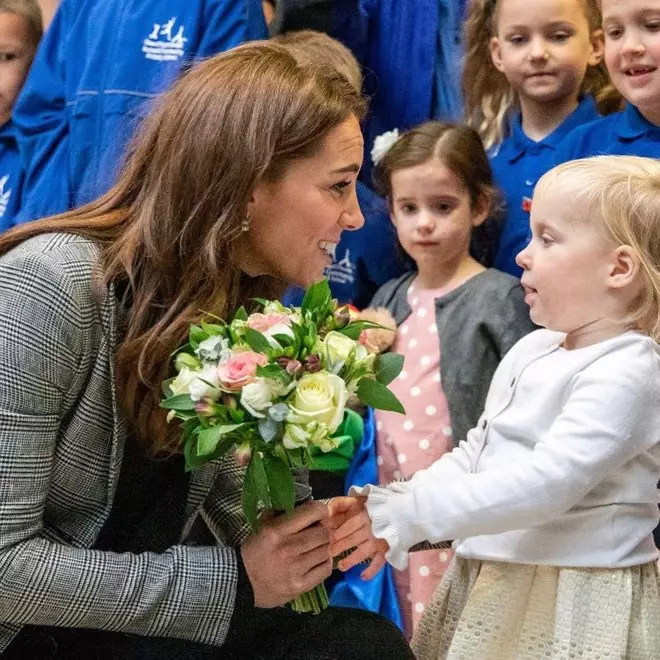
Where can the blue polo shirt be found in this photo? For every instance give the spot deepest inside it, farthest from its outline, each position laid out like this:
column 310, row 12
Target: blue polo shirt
column 518, row 163
column 11, row 177
column 625, row 133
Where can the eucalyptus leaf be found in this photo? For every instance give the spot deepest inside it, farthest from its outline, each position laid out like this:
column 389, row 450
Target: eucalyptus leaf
column 375, row 394
column 269, row 429
column 389, row 367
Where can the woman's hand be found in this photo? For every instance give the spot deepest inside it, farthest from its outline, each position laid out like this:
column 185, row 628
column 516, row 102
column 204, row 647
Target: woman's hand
column 351, row 528
column 289, row 555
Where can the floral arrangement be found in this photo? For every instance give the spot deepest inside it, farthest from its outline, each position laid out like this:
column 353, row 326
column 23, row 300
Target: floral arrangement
column 274, row 386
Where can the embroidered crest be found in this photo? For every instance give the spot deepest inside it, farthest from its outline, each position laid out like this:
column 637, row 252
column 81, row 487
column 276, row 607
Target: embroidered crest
column 163, row 44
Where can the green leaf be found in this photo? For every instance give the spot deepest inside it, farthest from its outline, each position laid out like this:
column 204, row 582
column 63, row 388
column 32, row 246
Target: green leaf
column 259, row 479
column 284, row 340
column 375, row 394
column 256, row 341
column 184, row 359
column 212, row 329
column 317, row 299
column 178, row 402
column 165, row 387
column 196, row 336
column 280, row 483
column 389, row 367
column 274, row 371
column 209, row 439
column 354, row 329
column 249, row 503
column 241, row 314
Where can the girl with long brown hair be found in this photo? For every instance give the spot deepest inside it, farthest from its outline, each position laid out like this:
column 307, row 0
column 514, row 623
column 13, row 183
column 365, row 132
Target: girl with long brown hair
column 533, row 72
column 240, row 181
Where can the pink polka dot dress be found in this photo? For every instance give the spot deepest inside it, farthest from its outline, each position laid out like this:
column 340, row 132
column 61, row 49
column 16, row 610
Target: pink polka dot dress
column 407, row 444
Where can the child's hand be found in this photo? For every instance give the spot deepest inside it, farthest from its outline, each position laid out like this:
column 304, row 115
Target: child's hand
column 350, row 527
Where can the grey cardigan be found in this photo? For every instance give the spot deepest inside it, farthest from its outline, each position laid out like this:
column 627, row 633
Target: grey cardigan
column 61, row 446
column 478, row 322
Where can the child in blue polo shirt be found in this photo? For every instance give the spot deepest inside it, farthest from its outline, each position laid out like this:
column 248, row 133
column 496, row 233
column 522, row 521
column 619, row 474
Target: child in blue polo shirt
column 632, row 56
column 543, row 58
column 20, row 32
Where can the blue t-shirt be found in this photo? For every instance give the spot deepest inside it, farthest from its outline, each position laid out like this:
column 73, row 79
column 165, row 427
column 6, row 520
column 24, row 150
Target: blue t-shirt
column 518, row 163
column 625, row 133
column 364, row 259
column 11, row 177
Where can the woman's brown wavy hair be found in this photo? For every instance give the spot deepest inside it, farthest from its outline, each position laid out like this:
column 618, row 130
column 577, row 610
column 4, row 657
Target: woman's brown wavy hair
column 170, row 227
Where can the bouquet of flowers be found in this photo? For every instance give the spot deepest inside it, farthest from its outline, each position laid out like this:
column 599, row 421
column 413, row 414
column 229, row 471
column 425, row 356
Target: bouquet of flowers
column 273, row 386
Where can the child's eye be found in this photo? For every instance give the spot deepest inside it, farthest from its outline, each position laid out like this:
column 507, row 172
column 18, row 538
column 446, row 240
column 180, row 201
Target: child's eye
column 613, row 33
column 653, row 26
column 444, row 207
column 517, row 39
column 561, row 36
column 546, row 240
column 408, row 208
column 8, row 57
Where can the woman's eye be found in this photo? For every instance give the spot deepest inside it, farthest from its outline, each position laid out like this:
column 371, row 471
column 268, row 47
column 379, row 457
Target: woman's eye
column 7, row 57
column 341, row 186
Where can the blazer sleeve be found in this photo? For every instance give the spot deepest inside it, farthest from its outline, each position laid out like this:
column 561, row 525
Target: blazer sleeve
column 46, row 338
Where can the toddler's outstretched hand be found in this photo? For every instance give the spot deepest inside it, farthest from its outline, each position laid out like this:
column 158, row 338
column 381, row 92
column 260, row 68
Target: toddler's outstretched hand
column 350, row 527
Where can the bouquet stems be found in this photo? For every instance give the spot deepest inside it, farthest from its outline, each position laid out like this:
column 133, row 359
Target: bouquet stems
column 316, row 600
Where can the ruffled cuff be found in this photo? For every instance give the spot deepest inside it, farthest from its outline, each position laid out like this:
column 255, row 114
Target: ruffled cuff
column 384, row 523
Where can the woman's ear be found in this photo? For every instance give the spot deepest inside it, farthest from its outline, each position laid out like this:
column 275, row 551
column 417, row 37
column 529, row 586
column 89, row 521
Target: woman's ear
column 597, row 48
column 495, row 54
column 624, row 268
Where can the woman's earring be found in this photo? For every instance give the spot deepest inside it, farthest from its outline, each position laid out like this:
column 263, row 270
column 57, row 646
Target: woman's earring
column 245, row 225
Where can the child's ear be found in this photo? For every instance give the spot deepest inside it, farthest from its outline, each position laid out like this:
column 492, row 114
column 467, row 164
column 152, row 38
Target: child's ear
column 624, row 268
column 495, row 54
column 597, row 48
column 481, row 209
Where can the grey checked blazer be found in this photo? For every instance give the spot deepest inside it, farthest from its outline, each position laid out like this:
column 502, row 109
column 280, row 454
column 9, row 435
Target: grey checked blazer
column 61, row 447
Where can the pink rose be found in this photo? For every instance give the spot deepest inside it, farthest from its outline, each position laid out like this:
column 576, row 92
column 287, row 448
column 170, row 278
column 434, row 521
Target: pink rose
column 240, row 369
column 263, row 322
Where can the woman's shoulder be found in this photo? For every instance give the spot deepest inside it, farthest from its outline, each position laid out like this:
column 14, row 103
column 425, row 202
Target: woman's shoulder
column 56, row 264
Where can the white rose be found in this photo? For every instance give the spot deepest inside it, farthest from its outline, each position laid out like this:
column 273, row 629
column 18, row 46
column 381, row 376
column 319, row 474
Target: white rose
column 181, row 384
column 295, row 436
column 256, row 397
column 205, row 383
column 337, row 348
column 319, row 397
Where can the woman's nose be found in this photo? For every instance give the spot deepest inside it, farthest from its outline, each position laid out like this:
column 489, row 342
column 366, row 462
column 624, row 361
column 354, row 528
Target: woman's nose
column 351, row 218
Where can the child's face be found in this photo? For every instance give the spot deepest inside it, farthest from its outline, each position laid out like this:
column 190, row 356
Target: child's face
column 566, row 266
column 432, row 214
column 16, row 53
column 543, row 47
column 632, row 52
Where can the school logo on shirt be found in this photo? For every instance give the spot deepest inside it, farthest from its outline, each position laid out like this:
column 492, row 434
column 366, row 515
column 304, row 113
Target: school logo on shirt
column 4, row 195
column 165, row 42
column 342, row 271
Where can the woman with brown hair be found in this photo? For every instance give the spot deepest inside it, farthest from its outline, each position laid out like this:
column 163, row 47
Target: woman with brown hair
column 240, row 182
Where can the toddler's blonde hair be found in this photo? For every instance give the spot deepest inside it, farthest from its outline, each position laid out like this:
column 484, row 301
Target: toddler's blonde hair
column 621, row 196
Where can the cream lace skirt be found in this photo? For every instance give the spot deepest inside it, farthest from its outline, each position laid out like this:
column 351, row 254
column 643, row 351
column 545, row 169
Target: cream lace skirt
column 500, row 611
